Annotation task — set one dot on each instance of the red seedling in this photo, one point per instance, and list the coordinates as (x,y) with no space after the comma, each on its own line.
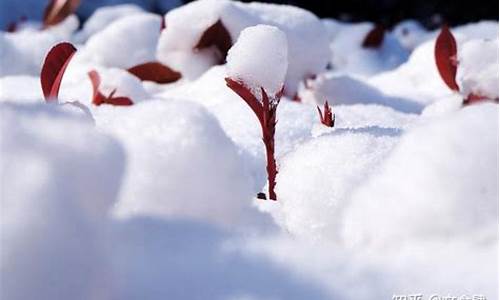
(445,53)
(163,24)
(216,35)
(326,117)
(11,27)
(57,10)
(374,37)
(53,69)
(265,112)
(155,71)
(98,98)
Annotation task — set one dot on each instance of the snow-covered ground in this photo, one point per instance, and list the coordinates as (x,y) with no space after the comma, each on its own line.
(158,200)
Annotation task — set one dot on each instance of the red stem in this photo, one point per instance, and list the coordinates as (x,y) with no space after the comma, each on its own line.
(268,130)
(266,114)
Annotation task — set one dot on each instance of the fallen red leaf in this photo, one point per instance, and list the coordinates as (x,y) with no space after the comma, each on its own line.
(53,69)
(155,71)
(218,36)
(57,10)
(445,54)
(98,98)
(374,37)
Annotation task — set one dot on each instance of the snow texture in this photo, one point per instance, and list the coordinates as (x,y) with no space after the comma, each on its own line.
(158,200)
(259,59)
(126,42)
(59,178)
(478,68)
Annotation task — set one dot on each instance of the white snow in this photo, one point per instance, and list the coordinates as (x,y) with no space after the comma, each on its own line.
(104,16)
(181,163)
(59,177)
(453,204)
(259,59)
(158,200)
(21,57)
(126,42)
(348,55)
(478,68)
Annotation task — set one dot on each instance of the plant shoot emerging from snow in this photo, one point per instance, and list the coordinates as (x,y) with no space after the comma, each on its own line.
(257,66)
(327,117)
(447,62)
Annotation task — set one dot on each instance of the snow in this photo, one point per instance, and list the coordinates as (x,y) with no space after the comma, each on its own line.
(345,89)
(419,80)
(478,68)
(186,24)
(59,176)
(453,204)
(19,47)
(104,16)
(259,59)
(410,34)
(158,200)
(182,147)
(348,55)
(135,36)
(22,88)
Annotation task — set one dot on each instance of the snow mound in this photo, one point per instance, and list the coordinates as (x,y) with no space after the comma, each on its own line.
(59,179)
(186,25)
(418,78)
(104,16)
(20,88)
(345,89)
(348,55)
(423,193)
(259,59)
(410,34)
(126,42)
(181,163)
(478,68)
(19,47)
(316,180)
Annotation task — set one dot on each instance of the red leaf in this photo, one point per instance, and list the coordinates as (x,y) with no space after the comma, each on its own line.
(296,98)
(53,69)
(57,10)
(477,98)
(245,94)
(11,27)
(119,101)
(155,71)
(98,98)
(445,54)
(218,36)
(374,37)
(326,117)
(163,24)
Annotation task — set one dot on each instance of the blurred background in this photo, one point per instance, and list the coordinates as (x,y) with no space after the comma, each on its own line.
(386,12)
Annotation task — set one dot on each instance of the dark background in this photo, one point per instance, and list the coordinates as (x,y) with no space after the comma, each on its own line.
(385,12)
(389,12)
